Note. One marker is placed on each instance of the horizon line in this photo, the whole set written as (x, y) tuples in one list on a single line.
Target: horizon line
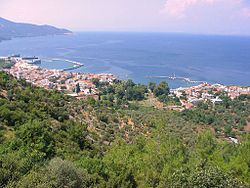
[(159, 32)]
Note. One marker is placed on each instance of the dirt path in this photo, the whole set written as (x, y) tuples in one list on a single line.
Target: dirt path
[(152, 101)]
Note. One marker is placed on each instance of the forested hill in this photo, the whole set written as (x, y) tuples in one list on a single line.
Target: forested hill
[(9, 29), (49, 140)]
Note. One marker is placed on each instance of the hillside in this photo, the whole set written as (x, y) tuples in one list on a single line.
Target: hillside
[(9, 29), (48, 139)]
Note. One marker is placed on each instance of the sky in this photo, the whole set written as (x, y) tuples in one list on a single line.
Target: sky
[(225, 17)]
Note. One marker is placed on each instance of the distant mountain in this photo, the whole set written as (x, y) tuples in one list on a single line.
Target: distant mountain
[(9, 29)]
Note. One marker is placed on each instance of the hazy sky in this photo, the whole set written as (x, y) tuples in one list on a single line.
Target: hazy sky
[(195, 16)]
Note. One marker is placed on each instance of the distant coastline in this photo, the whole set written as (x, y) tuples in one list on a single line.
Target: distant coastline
[(10, 30), (9, 39)]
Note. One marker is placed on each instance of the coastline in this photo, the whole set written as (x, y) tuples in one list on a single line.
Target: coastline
[(82, 85), (138, 66), (78, 85)]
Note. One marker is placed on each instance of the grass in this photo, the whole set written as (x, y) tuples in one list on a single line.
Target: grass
[(152, 101)]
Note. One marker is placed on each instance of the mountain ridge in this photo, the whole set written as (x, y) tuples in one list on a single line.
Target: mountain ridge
[(9, 30)]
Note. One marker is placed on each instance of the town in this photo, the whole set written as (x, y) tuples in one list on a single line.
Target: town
[(81, 85), (192, 96), (77, 85)]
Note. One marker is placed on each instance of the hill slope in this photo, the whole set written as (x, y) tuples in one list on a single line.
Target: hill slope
[(48, 139), (9, 29)]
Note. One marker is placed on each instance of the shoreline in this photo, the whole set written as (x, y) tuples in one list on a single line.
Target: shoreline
[(135, 72), (68, 82), (77, 65), (60, 80)]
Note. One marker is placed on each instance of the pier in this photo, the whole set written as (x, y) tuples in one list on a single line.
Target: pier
[(76, 64), (184, 79)]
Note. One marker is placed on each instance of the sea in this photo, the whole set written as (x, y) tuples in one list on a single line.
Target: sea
[(144, 57)]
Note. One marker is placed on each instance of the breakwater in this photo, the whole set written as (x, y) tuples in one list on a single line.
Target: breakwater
[(76, 64), (184, 79)]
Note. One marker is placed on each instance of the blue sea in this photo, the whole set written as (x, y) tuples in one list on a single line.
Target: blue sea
[(139, 56)]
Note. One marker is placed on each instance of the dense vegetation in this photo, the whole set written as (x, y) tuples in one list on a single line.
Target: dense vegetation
[(229, 118), (51, 140)]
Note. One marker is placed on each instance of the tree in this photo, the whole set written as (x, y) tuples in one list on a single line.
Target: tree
[(96, 82), (212, 177), (58, 173), (36, 137), (152, 86), (164, 98), (78, 89), (129, 83), (119, 90), (125, 179), (11, 168), (204, 148), (162, 89), (138, 92)]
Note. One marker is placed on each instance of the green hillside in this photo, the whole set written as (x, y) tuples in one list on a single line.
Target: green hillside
[(52, 140)]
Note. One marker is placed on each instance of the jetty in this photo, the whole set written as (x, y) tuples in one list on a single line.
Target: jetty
[(76, 64), (184, 79)]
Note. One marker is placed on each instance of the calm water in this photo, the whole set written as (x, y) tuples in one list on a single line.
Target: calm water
[(216, 59)]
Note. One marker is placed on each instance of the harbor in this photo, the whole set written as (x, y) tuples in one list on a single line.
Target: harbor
[(57, 79), (76, 64)]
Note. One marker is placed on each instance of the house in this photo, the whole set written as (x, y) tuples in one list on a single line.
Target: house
[(188, 105), (207, 96), (234, 140), (217, 100), (195, 101)]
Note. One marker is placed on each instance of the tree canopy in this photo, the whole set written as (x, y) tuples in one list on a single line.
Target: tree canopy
[(51, 140)]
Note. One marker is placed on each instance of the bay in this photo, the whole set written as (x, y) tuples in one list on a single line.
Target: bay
[(141, 56)]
